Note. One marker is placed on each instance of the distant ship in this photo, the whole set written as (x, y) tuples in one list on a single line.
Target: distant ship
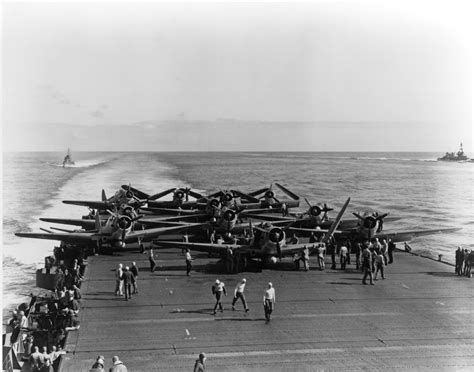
[(68, 159), (451, 156)]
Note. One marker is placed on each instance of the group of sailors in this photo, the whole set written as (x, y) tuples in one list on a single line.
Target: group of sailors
[(126, 280), (39, 329), (464, 261)]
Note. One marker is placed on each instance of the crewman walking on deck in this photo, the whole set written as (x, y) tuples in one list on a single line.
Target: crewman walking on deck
[(217, 290), (239, 293), (379, 263), (199, 366), (189, 259), (269, 300), (151, 258), (367, 265)]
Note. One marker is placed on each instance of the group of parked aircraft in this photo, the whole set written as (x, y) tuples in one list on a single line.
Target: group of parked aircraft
[(253, 225)]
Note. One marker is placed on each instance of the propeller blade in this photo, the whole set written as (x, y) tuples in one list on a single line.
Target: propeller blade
[(358, 216), (379, 218), (336, 222), (258, 192), (326, 209), (245, 196), (307, 202)]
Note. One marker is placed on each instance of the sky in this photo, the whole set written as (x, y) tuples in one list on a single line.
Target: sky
[(311, 76)]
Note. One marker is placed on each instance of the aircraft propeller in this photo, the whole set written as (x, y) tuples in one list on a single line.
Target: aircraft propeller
[(371, 221), (316, 210)]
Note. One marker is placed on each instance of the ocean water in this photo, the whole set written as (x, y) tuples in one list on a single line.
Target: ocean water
[(426, 194)]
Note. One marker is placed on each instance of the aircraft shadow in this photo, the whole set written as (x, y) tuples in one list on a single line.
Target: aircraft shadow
[(441, 274), (342, 283), (200, 311), (241, 319)]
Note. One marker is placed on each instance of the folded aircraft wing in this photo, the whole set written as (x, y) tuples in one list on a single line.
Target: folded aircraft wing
[(202, 247), (85, 224), (402, 236), (268, 217), (73, 238), (171, 211), (155, 232), (91, 204)]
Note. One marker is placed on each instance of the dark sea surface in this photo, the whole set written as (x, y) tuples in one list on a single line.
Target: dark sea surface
[(426, 194)]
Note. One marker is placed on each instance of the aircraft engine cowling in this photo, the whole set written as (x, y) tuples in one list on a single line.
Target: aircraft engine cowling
[(269, 194), (124, 222), (227, 197), (369, 222), (129, 194), (214, 203), (179, 194), (128, 211), (229, 215), (276, 235), (315, 211)]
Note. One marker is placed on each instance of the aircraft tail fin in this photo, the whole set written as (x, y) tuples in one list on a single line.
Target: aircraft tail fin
[(104, 197), (336, 222)]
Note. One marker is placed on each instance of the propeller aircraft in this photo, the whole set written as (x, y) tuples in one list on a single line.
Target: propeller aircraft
[(266, 244), (370, 226), (115, 233)]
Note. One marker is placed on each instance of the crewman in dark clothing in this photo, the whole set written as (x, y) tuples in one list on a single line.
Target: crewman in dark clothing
[(199, 366), (459, 260), (294, 239), (229, 260), (391, 248), (331, 245), (367, 266), (134, 270), (128, 280)]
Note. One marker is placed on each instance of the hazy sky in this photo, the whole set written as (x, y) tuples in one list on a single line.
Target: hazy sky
[(357, 76)]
